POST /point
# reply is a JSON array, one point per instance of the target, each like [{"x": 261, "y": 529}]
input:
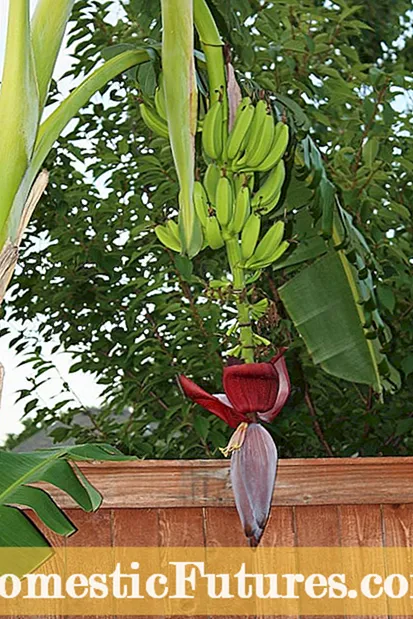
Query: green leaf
[
  {"x": 19, "y": 471},
  {"x": 323, "y": 307},
  {"x": 201, "y": 425},
  {"x": 370, "y": 151},
  {"x": 386, "y": 297},
  {"x": 48, "y": 27},
  {"x": 407, "y": 365},
  {"x": 184, "y": 266}
]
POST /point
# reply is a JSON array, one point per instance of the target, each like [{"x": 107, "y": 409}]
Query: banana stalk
[
  {"x": 212, "y": 46},
  {"x": 181, "y": 103},
  {"x": 246, "y": 334}
]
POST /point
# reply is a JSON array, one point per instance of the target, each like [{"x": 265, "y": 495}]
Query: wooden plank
[
  {"x": 182, "y": 527},
  {"x": 223, "y": 528},
  {"x": 206, "y": 483},
  {"x": 135, "y": 527},
  {"x": 361, "y": 525},
  {"x": 398, "y": 531},
  {"x": 317, "y": 526},
  {"x": 55, "y": 565},
  {"x": 93, "y": 530}
]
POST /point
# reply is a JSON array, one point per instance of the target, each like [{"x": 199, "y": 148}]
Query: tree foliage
[{"x": 135, "y": 315}]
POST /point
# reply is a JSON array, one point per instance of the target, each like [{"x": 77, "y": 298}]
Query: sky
[{"x": 16, "y": 378}]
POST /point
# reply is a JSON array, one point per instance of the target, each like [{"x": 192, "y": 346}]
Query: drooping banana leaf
[
  {"x": 20, "y": 470},
  {"x": 322, "y": 300},
  {"x": 181, "y": 104},
  {"x": 332, "y": 301}
]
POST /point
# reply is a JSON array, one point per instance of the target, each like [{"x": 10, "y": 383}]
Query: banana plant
[
  {"x": 32, "y": 48},
  {"x": 53, "y": 466}
]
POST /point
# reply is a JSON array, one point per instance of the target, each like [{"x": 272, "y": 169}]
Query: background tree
[{"x": 101, "y": 283}]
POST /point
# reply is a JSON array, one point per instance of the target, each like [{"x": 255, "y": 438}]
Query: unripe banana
[
  {"x": 173, "y": 229},
  {"x": 160, "y": 103},
  {"x": 275, "y": 255},
  {"x": 153, "y": 121},
  {"x": 270, "y": 188},
  {"x": 200, "y": 202},
  {"x": 242, "y": 210},
  {"x": 241, "y": 179},
  {"x": 278, "y": 148},
  {"x": 254, "y": 134},
  {"x": 213, "y": 234},
  {"x": 264, "y": 210},
  {"x": 268, "y": 244},
  {"x": 213, "y": 131},
  {"x": 263, "y": 147},
  {"x": 211, "y": 178},
  {"x": 167, "y": 238},
  {"x": 249, "y": 235},
  {"x": 242, "y": 123},
  {"x": 223, "y": 201}
]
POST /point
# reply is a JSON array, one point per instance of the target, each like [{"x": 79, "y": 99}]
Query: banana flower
[{"x": 254, "y": 392}]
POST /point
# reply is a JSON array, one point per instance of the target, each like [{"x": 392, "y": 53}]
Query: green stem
[{"x": 246, "y": 335}]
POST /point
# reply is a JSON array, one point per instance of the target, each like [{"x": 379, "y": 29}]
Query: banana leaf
[
  {"x": 19, "y": 471},
  {"x": 323, "y": 303},
  {"x": 19, "y": 107},
  {"x": 48, "y": 26},
  {"x": 181, "y": 103},
  {"x": 52, "y": 127}
]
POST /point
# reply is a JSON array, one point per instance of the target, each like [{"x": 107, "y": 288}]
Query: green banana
[
  {"x": 242, "y": 210},
  {"x": 241, "y": 179},
  {"x": 254, "y": 134},
  {"x": 160, "y": 103},
  {"x": 211, "y": 178},
  {"x": 263, "y": 210},
  {"x": 270, "y": 188},
  {"x": 243, "y": 119},
  {"x": 275, "y": 255},
  {"x": 249, "y": 235},
  {"x": 200, "y": 202},
  {"x": 264, "y": 143},
  {"x": 153, "y": 121},
  {"x": 173, "y": 228},
  {"x": 213, "y": 131},
  {"x": 223, "y": 201},
  {"x": 213, "y": 234},
  {"x": 277, "y": 150},
  {"x": 167, "y": 237},
  {"x": 268, "y": 244}
]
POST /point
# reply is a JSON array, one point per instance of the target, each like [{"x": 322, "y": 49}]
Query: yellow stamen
[{"x": 236, "y": 441}]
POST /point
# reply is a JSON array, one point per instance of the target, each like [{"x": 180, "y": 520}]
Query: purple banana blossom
[{"x": 253, "y": 392}]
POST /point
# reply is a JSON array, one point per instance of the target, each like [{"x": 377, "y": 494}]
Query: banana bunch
[
  {"x": 255, "y": 143},
  {"x": 243, "y": 180}
]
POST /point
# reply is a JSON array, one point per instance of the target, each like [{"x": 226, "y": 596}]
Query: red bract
[{"x": 251, "y": 388}]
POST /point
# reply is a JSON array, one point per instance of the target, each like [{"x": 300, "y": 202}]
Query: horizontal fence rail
[{"x": 206, "y": 483}]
